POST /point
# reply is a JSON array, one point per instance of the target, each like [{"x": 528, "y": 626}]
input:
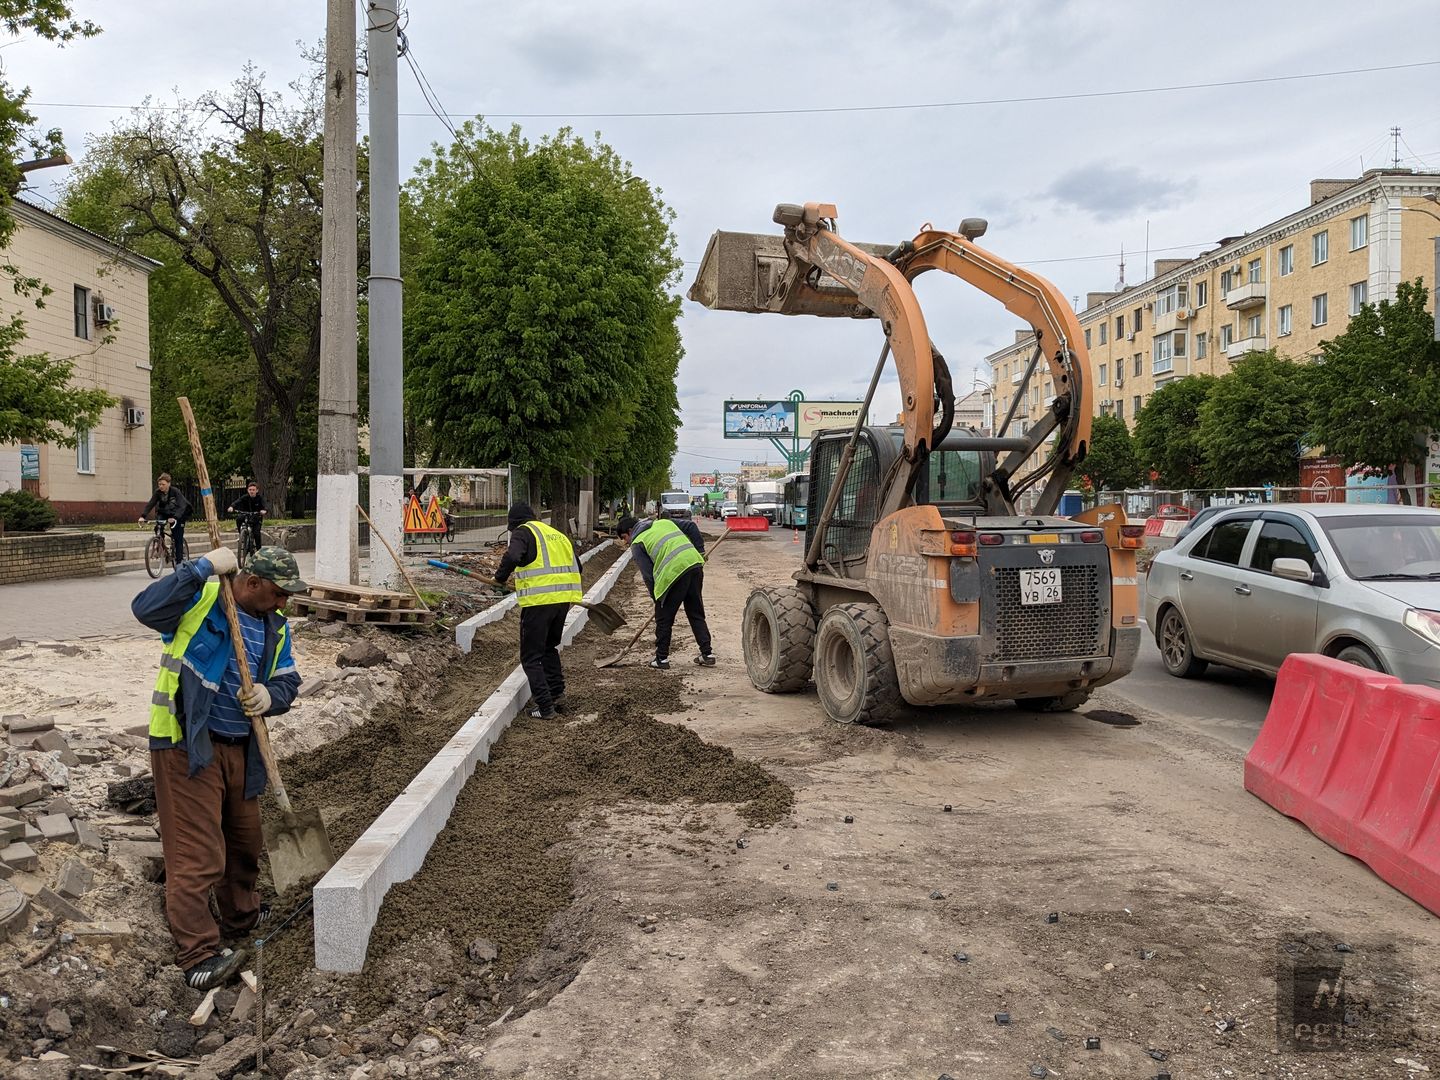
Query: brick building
[
  {"x": 1288, "y": 285},
  {"x": 98, "y": 317}
]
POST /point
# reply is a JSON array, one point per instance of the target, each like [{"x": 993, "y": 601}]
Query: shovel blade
[
  {"x": 605, "y": 617},
  {"x": 299, "y": 847}
]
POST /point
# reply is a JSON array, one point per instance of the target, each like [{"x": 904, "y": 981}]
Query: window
[
  {"x": 1135, "y": 405},
  {"x": 85, "y": 451},
  {"x": 1103, "y": 381},
  {"x": 1227, "y": 336},
  {"x": 1087, "y": 339},
  {"x": 1278, "y": 540},
  {"x": 1253, "y": 271},
  {"x": 1225, "y": 543},
  {"x": 1176, "y": 296},
  {"x": 1103, "y": 328},
  {"x": 1320, "y": 247},
  {"x": 1202, "y": 293},
  {"x": 1119, "y": 327},
  {"x": 1320, "y": 309},
  {"x": 1119, "y": 408},
  {"x": 82, "y": 312},
  {"x": 1359, "y": 232},
  {"x": 1135, "y": 323},
  {"x": 1200, "y": 344},
  {"x": 1163, "y": 355},
  {"x": 1358, "y": 292},
  {"x": 1254, "y": 326},
  {"x": 1227, "y": 281},
  {"x": 1139, "y": 362},
  {"x": 1286, "y": 316},
  {"x": 1287, "y": 260}
]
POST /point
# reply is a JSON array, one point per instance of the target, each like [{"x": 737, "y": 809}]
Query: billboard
[
  {"x": 813, "y": 416},
  {"x": 759, "y": 419},
  {"x": 761, "y": 470},
  {"x": 702, "y": 480}
]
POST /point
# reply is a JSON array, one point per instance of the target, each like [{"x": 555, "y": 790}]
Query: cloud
[{"x": 1116, "y": 191}]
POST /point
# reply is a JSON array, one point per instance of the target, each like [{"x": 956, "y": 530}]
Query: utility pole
[
  {"x": 337, "y": 554},
  {"x": 387, "y": 434}
]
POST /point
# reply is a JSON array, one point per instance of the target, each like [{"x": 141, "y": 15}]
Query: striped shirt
[{"x": 226, "y": 716}]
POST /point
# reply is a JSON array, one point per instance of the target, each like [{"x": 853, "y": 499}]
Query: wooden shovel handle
[{"x": 227, "y": 601}]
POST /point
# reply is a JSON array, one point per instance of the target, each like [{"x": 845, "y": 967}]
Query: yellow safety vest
[
  {"x": 671, "y": 553},
  {"x": 552, "y": 577},
  {"x": 164, "y": 721}
]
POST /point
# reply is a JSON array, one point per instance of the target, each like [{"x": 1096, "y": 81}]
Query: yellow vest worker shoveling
[
  {"x": 547, "y": 582},
  {"x": 671, "y": 559},
  {"x": 208, "y": 770}
]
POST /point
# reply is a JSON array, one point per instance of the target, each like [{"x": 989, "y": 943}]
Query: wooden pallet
[
  {"x": 324, "y": 610},
  {"x": 361, "y": 596}
]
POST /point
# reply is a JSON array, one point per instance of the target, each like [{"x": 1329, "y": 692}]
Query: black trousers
[
  {"x": 540, "y": 630},
  {"x": 686, "y": 590}
]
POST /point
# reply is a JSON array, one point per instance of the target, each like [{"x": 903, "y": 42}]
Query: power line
[{"x": 843, "y": 109}]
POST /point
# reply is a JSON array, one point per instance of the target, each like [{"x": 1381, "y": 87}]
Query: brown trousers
[{"x": 211, "y": 836}]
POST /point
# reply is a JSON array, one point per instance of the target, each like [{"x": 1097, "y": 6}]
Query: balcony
[
  {"x": 1247, "y": 295},
  {"x": 1239, "y": 348}
]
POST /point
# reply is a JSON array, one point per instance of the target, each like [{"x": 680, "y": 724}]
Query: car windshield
[
  {"x": 764, "y": 498},
  {"x": 1387, "y": 547}
]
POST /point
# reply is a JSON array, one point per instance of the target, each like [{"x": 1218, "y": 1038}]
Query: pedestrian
[
  {"x": 547, "y": 582},
  {"x": 207, "y": 768},
  {"x": 171, "y": 506},
  {"x": 671, "y": 558}
]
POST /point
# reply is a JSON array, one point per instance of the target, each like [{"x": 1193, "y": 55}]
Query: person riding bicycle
[
  {"x": 250, "y": 508},
  {"x": 169, "y": 505}
]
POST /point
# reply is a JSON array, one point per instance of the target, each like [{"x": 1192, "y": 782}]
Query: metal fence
[{"x": 1146, "y": 502}]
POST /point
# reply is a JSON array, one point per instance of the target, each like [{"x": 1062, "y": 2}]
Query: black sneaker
[
  {"x": 705, "y": 659},
  {"x": 542, "y": 714},
  {"x": 216, "y": 971},
  {"x": 660, "y": 664},
  {"x": 558, "y": 701},
  {"x": 261, "y": 918}
]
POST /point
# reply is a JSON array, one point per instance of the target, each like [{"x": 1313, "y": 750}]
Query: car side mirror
[{"x": 1293, "y": 570}]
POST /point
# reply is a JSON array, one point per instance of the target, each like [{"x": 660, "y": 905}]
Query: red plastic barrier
[
  {"x": 1355, "y": 756},
  {"x": 1153, "y": 526},
  {"x": 748, "y": 524}
]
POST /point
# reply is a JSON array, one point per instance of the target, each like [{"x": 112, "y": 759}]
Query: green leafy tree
[
  {"x": 1167, "y": 432},
  {"x": 540, "y": 329},
  {"x": 37, "y": 401},
  {"x": 1110, "y": 463},
  {"x": 1377, "y": 387},
  {"x": 1254, "y": 421}
]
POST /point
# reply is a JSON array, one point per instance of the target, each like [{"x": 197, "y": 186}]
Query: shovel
[
  {"x": 605, "y": 616},
  {"x": 611, "y": 661},
  {"x": 298, "y": 844}
]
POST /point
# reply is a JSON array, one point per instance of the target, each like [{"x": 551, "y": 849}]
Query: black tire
[
  {"x": 1176, "y": 652},
  {"x": 155, "y": 557},
  {"x": 1360, "y": 656},
  {"x": 246, "y": 547},
  {"x": 777, "y": 634},
  {"x": 854, "y": 666},
  {"x": 1064, "y": 703}
]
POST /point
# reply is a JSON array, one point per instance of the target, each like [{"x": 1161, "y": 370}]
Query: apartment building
[
  {"x": 1289, "y": 285},
  {"x": 98, "y": 317}
]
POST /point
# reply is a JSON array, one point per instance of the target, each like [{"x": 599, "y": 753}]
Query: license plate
[{"x": 1040, "y": 587}]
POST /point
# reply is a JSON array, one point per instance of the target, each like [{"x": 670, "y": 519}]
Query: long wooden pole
[
  {"x": 374, "y": 532},
  {"x": 227, "y": 601}
]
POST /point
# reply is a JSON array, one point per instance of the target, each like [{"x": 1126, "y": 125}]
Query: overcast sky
[{"x": 1064, "y": 183}]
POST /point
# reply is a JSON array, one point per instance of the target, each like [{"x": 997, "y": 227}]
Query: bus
[
  {"x": 761, "y": 498},
  {"x": 795, "y": 507}
]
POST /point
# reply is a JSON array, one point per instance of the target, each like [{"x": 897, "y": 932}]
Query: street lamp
[{"x": 1432, "y": 197}]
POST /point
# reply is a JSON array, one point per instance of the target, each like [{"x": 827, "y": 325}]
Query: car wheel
[
  {"x": 1359, "y": 656},
  {"x": 1175, "y": 650}
]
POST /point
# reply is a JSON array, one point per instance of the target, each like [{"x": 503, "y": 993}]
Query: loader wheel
[
  {"x": 854, "y": 667},
  {"x": 778, "y": 636}
]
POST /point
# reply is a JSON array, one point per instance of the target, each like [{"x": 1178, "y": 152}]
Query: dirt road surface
[{"x": 828, "y": 947}]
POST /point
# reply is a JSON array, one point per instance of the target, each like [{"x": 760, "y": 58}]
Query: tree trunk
[
  {"x": 563, "y": 505},
  {"x": 260, "y": 455},
  {"x": 285, "y": 441},
  {"x": 1402, "y": 474}
]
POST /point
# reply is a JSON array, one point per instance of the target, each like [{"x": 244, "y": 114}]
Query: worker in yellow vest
[
  {"x": 670, "y": 556},
  {"x": 547, "y": 582}
]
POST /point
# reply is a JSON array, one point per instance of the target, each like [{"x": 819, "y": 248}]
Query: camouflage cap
[{"x": 276, "y": 564}]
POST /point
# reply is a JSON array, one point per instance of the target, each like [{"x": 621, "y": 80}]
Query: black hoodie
[{"x": 522, "y": 549}]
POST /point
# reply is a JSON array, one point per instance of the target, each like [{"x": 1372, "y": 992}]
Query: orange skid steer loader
[{"x": 920, "y": 581}]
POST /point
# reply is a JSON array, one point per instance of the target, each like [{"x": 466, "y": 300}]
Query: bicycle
[
  {"x": 248, "y": 526},
  {"x": 160, "y": 551}
]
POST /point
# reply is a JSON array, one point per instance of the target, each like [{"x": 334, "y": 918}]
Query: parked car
[
  {"x": 1250, "y": 586},
  {"x": 728, "y": 510},
  {"x": 1199, "y": 519}
]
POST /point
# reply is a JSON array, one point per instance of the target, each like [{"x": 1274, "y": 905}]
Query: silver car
[{"x": 1254, "y": 584}]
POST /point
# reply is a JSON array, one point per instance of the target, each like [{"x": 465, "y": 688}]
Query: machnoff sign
[{"x": 813, "y": 416}]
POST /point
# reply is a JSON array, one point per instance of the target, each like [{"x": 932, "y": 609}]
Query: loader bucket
[{"x": 741, "y": 272}]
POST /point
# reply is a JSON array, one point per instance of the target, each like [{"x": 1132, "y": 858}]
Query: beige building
[
  {"x": 1289, "y": 286},
  {"x": 98, "y": 317}
]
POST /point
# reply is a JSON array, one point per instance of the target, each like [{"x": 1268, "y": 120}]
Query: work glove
[
  {"x": 222, "y": 561},
  {"x": 255, "y": 701}
]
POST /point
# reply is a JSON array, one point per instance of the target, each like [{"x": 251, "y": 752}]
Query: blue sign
[{"x": 29, "y": 463}]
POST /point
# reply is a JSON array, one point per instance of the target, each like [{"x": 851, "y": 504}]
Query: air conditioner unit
[
  {"x": 104, "y": 313},
  {"x": 1131, "y": 336},
  {"x": 1183, "y": 314},
  {"x": 134, "y": 417},
  {"x": 1106, "y": 403},
  {"x": 1119, "y": 377}
]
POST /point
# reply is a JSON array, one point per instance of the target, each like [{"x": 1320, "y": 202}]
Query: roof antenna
[
  {"x": 1395, "y": 138},
  {"x": 1120, "y": 285}
]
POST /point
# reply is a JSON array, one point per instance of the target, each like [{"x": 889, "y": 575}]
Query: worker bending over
[
  {"x": 547, "y": 582},
  {"x": 671, "y": 558},
  {"x": 208, "y": 770}
]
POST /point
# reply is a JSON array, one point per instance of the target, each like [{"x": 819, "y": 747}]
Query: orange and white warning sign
[{"x": 422, "y": 521}]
